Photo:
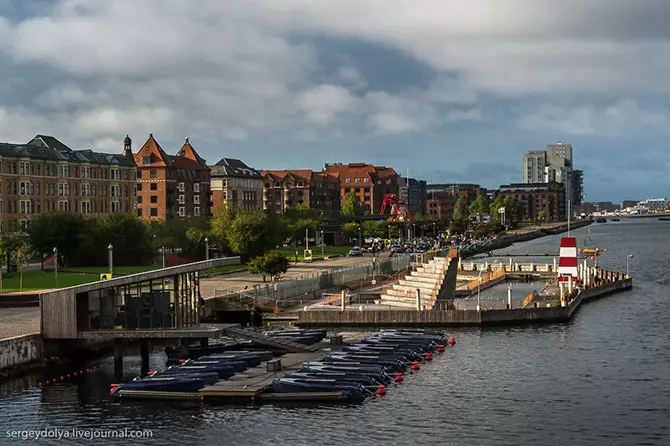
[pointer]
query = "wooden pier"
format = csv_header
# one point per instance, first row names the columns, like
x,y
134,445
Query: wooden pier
x,y
251,386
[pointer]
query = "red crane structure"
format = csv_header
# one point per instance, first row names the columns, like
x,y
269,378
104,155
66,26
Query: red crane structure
x,y
399,210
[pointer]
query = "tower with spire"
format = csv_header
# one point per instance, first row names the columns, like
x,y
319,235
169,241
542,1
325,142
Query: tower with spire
x,y
127,147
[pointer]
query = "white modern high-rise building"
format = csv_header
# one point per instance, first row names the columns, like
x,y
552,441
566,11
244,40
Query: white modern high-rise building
x,y
554,164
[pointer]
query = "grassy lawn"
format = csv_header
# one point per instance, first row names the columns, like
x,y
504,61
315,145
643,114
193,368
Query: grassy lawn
x,y
316,251
104,269
224,269
42,280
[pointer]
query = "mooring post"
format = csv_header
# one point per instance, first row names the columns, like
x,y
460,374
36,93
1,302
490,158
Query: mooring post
x,y
144,354
204,342
185,347
118,359
509,296
418,299
344,300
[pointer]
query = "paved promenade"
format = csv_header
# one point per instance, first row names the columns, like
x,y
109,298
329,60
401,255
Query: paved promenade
x,y
238,281
19,322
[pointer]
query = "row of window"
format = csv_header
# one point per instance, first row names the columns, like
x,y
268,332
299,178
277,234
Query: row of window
x,y
153,212
171,174
181,187
65,189
35,206
61,170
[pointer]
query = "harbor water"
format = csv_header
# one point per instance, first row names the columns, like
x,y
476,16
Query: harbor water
x,y
603,378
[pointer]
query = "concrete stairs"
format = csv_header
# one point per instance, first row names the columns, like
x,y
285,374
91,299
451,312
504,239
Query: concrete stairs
x,y
427,278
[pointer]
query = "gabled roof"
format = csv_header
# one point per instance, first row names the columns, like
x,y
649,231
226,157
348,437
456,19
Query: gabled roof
x,y
231,167
297,174
187,151
151,148
50,142
51,149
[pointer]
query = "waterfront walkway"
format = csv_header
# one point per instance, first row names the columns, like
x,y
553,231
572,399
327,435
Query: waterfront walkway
x,y
19,322
238,281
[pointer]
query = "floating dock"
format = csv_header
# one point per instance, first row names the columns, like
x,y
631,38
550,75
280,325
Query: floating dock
x,y
251,386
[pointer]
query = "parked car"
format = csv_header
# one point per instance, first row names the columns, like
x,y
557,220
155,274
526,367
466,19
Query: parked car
x,y
397,249
356,251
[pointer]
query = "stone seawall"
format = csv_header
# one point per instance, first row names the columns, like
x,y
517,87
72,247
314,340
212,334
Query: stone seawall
x,y
458,317
21,351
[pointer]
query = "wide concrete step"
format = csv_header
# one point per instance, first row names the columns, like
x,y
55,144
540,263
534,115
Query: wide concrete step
x,y
423,279
411,288
431,274
417,284
404,303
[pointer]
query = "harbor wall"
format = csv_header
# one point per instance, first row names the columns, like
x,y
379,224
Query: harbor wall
x,y
21,351
458,317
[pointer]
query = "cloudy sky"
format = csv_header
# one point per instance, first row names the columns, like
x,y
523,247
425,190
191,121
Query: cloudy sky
x,y
449,90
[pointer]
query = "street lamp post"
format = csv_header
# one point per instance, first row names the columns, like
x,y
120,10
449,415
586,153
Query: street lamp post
x,y
110,258
206,248
479,281
360,236
163,251
322,245
56,265
628,257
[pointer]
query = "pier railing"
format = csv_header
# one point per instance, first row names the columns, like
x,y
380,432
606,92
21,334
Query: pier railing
x,y
308,284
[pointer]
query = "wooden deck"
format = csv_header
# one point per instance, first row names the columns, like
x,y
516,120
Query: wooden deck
x,y
251,384
194,332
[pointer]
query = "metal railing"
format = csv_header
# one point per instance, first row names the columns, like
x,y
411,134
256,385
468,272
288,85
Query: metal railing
x,y
304,284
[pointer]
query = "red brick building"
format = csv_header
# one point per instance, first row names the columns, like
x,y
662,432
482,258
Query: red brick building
x,y
286,188
44,175
539,197
171,186
370,183
441,205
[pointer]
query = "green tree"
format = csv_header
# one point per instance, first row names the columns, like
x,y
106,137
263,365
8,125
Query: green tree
x,y
300,211
127,234
249,233
350,230
351,205
479,207
70,233
542,216
495,206
272,264
299,229
373,229
20,251
461,212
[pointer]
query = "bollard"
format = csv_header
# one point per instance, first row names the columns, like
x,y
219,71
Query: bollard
x,y
509,296
418,299
344,300
553,268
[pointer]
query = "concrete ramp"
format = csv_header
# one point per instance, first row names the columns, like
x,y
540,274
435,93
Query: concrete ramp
x,y
261,339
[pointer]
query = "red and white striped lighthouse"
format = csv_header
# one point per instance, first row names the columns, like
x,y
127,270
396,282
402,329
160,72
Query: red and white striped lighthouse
x,y
567,262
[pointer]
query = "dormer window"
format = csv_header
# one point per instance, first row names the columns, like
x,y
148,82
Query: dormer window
x,y
146,160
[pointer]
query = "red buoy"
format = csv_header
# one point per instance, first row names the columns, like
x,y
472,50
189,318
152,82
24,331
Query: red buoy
x,y
381,391
181,361
23,389
398,379
68,375
452,341
428,358
74,374
415,367
61,377
54,380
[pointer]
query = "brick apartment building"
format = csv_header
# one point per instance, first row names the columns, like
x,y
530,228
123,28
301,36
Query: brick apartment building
x,y
171,186
286,188
44,175
370,183
538,197
441,198
233,182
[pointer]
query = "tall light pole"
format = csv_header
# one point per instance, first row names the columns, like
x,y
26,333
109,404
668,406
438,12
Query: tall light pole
x,y
306,239
360,236
479,281
322,244
206,248
110,258
56,265
163,251
628,257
